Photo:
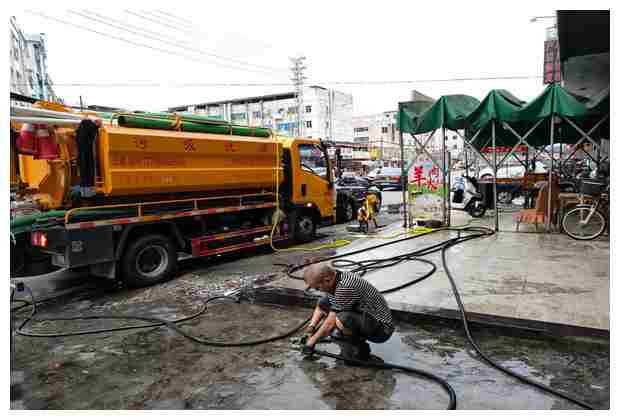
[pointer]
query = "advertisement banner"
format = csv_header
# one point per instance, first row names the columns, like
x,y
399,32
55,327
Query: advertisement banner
x,y
426,188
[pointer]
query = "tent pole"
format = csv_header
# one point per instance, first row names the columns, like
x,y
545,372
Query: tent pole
x,y
403,179
466,163
495,176
443,174
552,119
449,186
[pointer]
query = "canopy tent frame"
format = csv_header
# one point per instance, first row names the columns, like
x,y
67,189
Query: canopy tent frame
x,y
586,136
555,105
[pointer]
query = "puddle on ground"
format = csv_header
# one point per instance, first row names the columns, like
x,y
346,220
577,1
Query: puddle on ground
x,y
294,382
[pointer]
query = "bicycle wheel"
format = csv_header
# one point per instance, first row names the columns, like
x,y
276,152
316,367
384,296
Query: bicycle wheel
x,y
574,226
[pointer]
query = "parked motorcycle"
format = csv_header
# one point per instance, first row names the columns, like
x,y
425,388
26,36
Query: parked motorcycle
x,y
465,195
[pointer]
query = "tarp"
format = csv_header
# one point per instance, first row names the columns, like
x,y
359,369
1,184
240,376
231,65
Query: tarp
x,y
409,114
498,105
448,112
552,101
457,112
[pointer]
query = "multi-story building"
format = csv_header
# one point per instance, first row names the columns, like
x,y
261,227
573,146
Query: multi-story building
x,y
380,133
28,61
326,114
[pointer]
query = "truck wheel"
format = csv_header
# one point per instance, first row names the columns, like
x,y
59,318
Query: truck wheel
x,y
151,259
304,227
348,211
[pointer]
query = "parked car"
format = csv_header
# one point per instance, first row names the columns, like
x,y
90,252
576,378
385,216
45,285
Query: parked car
x,y
373,174
351,192
389,178
516,171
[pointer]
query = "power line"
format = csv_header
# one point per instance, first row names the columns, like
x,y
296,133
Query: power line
x,y
157,22
167,18
175,16
160,39
177,54
196,33
259,84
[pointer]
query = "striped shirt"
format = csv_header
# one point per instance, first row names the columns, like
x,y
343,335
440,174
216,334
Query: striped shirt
x,y
355,294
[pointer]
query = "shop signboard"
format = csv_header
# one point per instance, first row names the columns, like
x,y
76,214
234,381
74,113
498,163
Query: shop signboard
x,y
426,188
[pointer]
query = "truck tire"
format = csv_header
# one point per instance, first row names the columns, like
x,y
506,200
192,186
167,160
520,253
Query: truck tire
x,y
304,226
345,212
149,260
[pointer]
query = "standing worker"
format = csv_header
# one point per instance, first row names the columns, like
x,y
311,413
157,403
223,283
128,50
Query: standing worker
x,y
355,312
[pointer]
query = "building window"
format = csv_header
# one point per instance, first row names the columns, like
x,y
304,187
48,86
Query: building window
x,y
308,108
308,124
326,124
238,116
292,109
360,129
361,139
454,137
256,114
384,129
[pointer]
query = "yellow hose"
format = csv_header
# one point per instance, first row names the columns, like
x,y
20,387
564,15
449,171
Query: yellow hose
x,y
335,244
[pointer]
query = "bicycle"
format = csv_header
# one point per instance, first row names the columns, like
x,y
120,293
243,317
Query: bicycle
x,y
587,222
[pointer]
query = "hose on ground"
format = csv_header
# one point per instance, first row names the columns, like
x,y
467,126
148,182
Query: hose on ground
x,y
361,267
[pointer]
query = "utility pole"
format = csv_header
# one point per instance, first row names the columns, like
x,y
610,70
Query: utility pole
x,y
298,80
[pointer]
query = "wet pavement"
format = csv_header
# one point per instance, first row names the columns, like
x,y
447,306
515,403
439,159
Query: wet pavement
x,y
548,279
156,369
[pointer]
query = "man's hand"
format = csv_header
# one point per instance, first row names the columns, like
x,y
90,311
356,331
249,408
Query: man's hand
x,y
309,330
307,350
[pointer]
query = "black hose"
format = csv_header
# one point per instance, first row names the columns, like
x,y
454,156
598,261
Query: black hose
x,y
383,365
364,266
155,322
489,360
361,267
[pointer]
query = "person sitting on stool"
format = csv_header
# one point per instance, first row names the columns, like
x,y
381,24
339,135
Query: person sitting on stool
x,y
355,312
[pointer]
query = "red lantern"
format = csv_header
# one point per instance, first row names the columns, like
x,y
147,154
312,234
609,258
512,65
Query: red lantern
x,y
25,142
46,147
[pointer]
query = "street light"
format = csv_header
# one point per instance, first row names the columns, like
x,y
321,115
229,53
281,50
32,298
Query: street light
x,y
535,18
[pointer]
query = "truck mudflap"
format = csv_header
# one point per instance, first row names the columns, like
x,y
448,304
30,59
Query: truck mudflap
x,y
79,248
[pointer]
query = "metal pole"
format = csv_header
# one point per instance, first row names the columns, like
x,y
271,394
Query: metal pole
x,y
466,163
443,174
449,185
550,174
403,178
495,176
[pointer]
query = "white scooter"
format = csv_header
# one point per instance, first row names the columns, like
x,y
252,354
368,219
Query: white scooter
x,y
465,195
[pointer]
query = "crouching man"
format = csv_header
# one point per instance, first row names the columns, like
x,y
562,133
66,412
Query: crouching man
x,y
355,312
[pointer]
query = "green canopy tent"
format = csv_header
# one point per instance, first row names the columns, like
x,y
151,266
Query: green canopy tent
x,y
553,107
449,112
481,124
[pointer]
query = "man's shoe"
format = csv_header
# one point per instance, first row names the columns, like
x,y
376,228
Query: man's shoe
x,y
363,351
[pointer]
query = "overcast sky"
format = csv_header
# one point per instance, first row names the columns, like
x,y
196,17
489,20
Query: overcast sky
x,y
343,42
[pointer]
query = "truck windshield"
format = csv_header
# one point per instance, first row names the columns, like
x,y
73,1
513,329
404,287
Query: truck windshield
x,y
313,160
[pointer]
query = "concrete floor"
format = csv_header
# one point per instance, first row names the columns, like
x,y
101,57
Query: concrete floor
x,y
549,278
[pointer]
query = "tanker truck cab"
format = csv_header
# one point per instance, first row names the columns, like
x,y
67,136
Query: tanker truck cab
x,y
310,186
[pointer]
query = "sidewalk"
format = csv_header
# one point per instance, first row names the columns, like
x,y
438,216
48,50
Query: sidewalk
x,y
536,278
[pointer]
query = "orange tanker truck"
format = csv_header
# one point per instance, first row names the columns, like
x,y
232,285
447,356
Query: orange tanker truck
x,y
126,196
